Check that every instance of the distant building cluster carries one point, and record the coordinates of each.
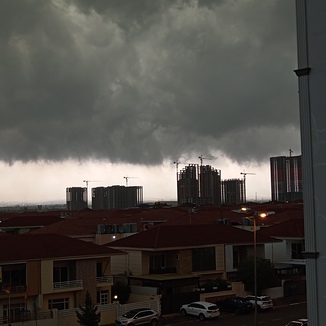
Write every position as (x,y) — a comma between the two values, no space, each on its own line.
(202,184)
(199,185)
(112,197)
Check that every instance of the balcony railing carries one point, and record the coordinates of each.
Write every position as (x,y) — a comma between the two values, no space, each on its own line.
(104,279)
(68,284)
(4,288)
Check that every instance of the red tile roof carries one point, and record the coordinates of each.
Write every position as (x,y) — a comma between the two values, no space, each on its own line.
(287,229)
(48,246)
(176,236)
(29,221)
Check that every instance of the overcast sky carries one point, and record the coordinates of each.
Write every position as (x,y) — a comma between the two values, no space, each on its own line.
(101,89)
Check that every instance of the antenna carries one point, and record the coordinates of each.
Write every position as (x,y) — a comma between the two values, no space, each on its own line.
(244,184)
(127,179)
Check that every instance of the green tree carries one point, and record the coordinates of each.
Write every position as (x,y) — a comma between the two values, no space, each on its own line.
(266,277)
(88,315)
(122,291)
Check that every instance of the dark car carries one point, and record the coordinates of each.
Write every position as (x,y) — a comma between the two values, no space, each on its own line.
(237,305)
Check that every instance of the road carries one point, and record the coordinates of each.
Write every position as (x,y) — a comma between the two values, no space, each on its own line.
(279,316)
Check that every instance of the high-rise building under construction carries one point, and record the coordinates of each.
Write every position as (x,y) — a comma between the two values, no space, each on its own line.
(199,184)
(116,197)
(286,178)
(233,191)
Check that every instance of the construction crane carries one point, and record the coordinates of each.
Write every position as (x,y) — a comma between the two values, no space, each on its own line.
(87,182)
(244,184)
(203,158)
(177,164)
(127,179)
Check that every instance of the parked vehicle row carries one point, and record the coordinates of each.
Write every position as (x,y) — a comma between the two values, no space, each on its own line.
(238,305)
(263,302)
(203,310)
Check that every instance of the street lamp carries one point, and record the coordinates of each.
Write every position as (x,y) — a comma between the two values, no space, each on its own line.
(255,215)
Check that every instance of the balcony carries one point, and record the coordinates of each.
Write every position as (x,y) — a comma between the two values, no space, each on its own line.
(68,285)
(104,281)
(14,290)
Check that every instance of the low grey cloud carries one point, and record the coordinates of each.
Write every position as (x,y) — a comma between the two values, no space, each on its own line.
(145,81)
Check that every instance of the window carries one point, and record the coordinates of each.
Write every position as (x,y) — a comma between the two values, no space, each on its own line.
(296,249)
(203,259)
(102,297)
(59,304)
(157,262)
(60,274)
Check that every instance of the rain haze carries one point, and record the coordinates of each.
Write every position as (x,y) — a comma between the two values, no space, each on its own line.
(98,90)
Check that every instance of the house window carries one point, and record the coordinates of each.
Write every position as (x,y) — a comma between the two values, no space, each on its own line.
(236,257)
(59,304)
(99,269)
(60,274)
(203,259)
(296,250)
(157,262)
(102,297)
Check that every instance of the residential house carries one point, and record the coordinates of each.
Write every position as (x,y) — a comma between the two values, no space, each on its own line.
(41,273)
(176,259)
(286,254)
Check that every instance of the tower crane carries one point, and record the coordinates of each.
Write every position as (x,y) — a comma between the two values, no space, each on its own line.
(127,180)
(244,183)
(87,181)
(177,164)
(203,158)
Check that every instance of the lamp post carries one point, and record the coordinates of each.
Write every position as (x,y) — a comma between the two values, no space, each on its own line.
(255,215)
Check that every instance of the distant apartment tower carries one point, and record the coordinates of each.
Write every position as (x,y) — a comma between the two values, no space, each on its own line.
(286,178)
(116,197)
(233,192)
(76,198)
(199,185)
(209,185)
(188,184)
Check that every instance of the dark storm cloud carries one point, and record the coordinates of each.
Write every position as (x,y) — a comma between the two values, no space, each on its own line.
(143,81)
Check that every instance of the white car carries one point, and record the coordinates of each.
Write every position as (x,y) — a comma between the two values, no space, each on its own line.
(202,309)
(299,322)
(263,302)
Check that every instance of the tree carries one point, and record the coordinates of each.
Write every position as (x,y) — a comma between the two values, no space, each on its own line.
(88,315)
(266,277)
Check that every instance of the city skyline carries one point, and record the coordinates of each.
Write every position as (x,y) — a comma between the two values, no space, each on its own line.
(92,91)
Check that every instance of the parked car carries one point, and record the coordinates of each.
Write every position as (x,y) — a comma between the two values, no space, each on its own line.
(263,302)
(299,322)
(237,305)
(201,309)
(141,316)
